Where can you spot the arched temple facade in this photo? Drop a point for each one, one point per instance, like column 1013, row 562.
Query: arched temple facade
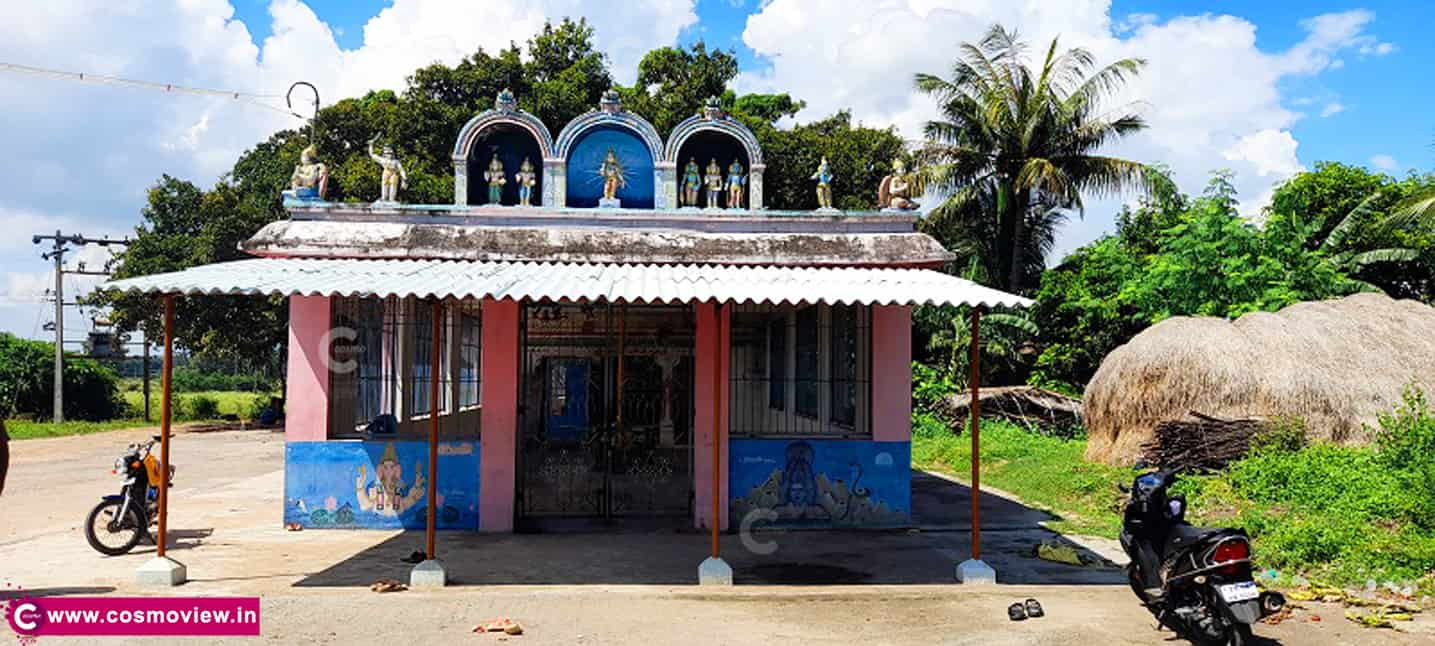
column 585, row 142
column 713, row 135
column 511, row 134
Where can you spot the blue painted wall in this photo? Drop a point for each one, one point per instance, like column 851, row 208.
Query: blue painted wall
column 585, row 186
column 337, row 484
column 821, row 483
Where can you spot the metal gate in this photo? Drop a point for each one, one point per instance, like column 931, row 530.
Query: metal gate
column 607, row 414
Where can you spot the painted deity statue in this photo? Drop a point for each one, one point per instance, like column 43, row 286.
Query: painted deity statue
column 496, row 179
column 310, row 177
column 895, row 191
column 612, row 173
column 692, row 182
column 824, row 185
column 527, row 179
column 394, row 177
column 388, row 496
column 735, row 181
column 713, row 179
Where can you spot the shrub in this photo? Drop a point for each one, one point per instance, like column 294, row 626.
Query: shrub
column 203, row 407
column 27, row 372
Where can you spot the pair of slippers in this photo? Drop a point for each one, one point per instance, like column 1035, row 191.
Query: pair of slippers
column 1020, row 611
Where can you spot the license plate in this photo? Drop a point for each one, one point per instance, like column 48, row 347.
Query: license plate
column 1234, row 592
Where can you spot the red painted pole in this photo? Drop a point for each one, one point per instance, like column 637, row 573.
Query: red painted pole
column 715, row 520
column 166, row 371
column 434, row 367
column 975, row 415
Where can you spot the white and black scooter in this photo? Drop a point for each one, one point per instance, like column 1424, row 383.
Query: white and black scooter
column 1196, row 581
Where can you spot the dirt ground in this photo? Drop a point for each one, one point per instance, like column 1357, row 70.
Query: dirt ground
column 594, row 588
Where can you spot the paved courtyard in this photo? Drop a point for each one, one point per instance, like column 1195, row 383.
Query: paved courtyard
column 589, row 588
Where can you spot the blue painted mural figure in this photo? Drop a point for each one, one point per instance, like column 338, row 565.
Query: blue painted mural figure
column 799, row 487
column 735, row 181
column 388, row 496
column 692, row 182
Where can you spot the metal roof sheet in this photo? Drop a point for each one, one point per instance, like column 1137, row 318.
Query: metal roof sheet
column 631, row 283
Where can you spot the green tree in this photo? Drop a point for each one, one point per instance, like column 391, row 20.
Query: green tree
column 682, row 79
column 1015, row 148
column 858, row 156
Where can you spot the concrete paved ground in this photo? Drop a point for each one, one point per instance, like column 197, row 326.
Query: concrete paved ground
column 596, row 588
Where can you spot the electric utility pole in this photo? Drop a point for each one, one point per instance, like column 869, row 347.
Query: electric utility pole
column 57, row 253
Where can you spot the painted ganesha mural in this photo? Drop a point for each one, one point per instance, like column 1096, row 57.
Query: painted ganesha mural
column 379, row 485
column 836, row 483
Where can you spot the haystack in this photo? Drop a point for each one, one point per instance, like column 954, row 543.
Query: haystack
column 1335, row 364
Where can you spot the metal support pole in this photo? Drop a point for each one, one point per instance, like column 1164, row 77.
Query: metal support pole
column 716, row 519
column 144, row 366
column 975, row 415
column 59, row 416
column 434, row 368
column 166, row 370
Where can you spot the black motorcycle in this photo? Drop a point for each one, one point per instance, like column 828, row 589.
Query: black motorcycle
column 1196, row 581
column 122, row 520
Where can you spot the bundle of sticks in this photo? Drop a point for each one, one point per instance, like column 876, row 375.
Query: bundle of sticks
column 1200, row 442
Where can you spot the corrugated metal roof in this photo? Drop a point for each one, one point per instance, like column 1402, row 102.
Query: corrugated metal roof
column 572, row 281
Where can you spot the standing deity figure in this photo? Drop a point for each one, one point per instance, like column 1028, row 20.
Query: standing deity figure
column 735, row 181
column 612, row 173
column 895, row 190
column 496, row 180
column 713, row 178
column 692, row 182
column 394, row 177
column 824, row 185
column 527, row 179
column 310, row 178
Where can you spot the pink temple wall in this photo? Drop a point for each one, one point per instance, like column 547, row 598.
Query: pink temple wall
column 892, row 373
column 306, row 397
column 705, row 407
column 498, row 452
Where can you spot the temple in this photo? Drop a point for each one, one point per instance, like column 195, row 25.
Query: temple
column 605, row 328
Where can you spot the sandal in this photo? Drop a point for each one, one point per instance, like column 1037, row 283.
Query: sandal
column 1033, row 609
column 1016, row 612
column 415, row 557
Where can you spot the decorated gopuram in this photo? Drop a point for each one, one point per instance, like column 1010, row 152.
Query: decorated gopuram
column 605, row 328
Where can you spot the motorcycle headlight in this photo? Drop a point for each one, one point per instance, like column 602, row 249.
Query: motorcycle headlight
column 119, row 465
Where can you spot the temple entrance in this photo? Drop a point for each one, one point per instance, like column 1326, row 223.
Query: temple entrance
column 607, row 414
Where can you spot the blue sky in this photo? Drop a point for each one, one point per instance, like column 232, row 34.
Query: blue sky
column 1263, row 88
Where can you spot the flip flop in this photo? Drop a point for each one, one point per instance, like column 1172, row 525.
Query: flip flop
column 1033, row 609
column 415, row 557
column 1016, row 612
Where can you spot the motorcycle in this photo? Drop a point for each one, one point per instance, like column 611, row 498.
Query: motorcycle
column 1196, row 581
column 120, row 521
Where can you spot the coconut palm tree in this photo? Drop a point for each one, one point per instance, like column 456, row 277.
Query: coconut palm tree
column 1016, row 149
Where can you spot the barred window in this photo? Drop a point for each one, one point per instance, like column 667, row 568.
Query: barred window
column 423, row 361
column 800, row 371
column 364, row 361
column 470, row 340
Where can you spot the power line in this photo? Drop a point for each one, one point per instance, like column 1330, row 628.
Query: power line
column 104, row 79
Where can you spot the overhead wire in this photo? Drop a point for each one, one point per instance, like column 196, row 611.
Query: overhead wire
column 252, row 98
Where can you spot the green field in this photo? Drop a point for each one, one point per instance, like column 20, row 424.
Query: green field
column 229, row 403
column 202, row 406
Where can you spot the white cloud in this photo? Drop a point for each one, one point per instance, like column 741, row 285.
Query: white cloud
column 1384, row 162
column 1332, row 109
column 1210, row 94
column 80, row 156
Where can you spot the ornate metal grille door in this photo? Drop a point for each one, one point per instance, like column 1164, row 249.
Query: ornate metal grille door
column 606, row 429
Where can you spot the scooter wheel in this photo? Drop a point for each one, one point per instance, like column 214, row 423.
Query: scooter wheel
column 113, row 531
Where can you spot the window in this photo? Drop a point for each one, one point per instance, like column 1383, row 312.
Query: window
column 800, row 371
column 777, row 363
column 470, row 356
column 807, row 362
column 363, row 362
column 423, row 313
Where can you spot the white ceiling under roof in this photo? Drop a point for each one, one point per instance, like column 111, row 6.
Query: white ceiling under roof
column 535, row 281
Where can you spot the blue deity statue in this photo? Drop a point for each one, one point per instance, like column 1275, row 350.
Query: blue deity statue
column 824, row 185
column 692, row 182
column 735, row 181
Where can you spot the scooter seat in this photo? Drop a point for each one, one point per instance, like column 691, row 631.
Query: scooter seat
column 1184, row 536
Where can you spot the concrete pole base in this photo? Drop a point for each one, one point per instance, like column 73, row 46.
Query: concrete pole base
column 161, row 571
column 974, row 572
column 428, row 574
column 714, row 571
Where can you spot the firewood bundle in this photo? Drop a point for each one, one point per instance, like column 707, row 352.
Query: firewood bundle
column 1200, row 442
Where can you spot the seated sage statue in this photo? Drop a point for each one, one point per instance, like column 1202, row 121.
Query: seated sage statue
column 895, row 191
column 310, row 177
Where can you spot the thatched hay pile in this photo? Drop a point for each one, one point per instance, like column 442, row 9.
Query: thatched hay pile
column 1335, row 364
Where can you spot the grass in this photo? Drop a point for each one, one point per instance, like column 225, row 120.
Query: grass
column 222, row 402
column 1342, row 515
column 1045, row 472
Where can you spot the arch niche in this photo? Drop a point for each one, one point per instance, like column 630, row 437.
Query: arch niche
column 715, row 135
column 512, row 134
column 584, row 143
